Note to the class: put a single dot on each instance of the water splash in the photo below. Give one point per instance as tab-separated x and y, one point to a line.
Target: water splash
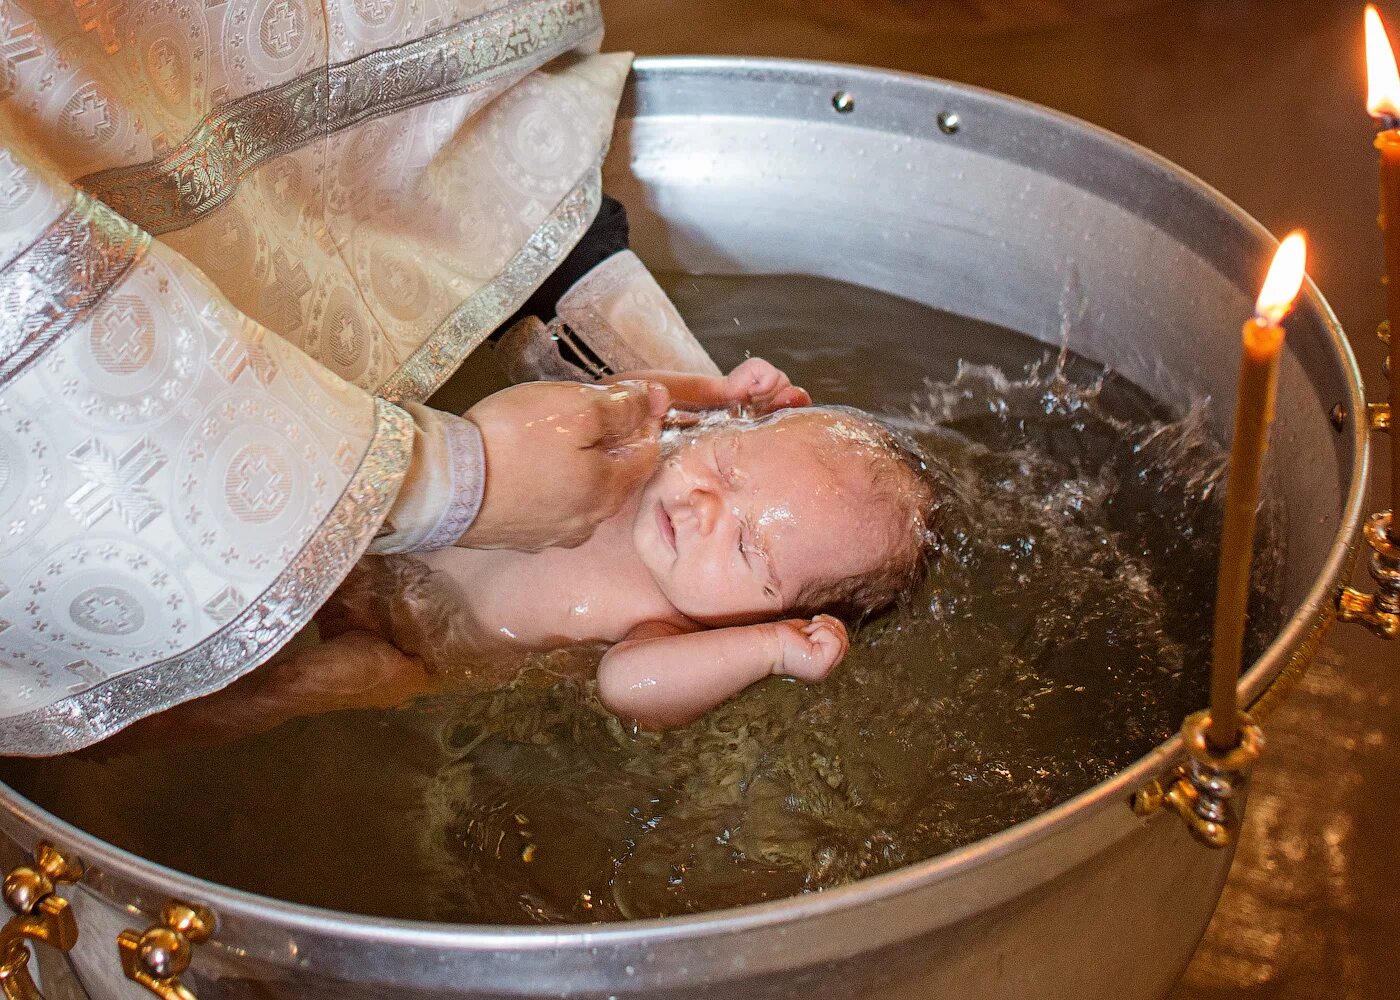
1061	633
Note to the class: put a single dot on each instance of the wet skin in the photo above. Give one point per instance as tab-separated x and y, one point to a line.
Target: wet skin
738	522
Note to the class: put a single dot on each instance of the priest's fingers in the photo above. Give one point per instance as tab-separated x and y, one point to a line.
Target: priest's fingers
625	468
631	413
560	458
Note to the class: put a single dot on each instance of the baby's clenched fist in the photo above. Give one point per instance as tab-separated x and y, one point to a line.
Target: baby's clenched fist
809	650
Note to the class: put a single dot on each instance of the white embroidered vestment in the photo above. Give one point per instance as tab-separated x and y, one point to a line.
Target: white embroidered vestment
233	238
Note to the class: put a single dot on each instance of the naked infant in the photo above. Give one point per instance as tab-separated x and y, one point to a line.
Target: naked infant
725	567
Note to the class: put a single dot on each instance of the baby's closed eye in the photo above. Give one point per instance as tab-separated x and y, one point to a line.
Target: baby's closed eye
756	560
725	454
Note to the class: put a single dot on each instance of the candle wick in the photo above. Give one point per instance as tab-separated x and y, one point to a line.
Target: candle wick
1387	121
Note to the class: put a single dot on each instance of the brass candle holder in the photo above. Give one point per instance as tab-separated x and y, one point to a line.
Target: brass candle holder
1380	611
1202	790
1223	742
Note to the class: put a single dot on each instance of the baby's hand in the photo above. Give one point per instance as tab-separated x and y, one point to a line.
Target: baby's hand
759	385
810	649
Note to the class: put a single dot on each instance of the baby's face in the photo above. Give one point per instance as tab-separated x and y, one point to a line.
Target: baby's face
738	521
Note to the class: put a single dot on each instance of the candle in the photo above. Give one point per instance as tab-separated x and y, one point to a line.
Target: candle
1254	411
1383	102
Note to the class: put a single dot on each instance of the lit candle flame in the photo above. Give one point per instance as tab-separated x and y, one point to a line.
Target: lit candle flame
1382	79
1284	279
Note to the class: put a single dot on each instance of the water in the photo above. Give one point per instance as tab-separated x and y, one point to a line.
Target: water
1062	632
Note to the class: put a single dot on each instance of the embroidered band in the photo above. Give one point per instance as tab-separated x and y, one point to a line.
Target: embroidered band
204	170
254	634
423	371
58	278
466	455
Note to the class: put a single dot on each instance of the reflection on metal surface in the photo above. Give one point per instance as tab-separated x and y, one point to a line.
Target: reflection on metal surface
1203	787
1378	416
40	915
157	958
1264	706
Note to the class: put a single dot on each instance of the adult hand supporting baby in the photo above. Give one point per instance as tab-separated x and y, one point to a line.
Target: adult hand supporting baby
560	458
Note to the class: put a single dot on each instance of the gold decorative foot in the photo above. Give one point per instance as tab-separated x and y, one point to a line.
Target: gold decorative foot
157	958
40	915
1200	791
1379	612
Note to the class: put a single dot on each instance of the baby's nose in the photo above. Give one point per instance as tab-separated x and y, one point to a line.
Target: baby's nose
705	505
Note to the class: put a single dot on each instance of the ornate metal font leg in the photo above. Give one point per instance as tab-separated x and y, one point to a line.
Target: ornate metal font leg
157	958
39	915
1200	791
1380	612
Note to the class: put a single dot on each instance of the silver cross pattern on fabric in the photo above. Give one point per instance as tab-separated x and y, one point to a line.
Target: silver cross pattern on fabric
116	484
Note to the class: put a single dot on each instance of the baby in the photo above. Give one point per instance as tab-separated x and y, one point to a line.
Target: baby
724	568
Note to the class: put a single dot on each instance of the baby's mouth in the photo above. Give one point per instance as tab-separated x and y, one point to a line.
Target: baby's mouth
664	525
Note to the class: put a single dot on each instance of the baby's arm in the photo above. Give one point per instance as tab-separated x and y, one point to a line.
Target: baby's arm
662	676
754	383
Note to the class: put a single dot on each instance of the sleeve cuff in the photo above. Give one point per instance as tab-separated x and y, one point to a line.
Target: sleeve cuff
627	320
442	493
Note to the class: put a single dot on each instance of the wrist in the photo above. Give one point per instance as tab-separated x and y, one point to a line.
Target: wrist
773	642
442	490
466	450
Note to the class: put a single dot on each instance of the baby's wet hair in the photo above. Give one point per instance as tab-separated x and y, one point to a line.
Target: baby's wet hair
902	480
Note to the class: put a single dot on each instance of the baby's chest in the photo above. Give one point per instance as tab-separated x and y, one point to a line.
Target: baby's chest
540	610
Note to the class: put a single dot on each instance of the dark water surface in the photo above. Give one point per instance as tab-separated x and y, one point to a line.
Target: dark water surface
1062	632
